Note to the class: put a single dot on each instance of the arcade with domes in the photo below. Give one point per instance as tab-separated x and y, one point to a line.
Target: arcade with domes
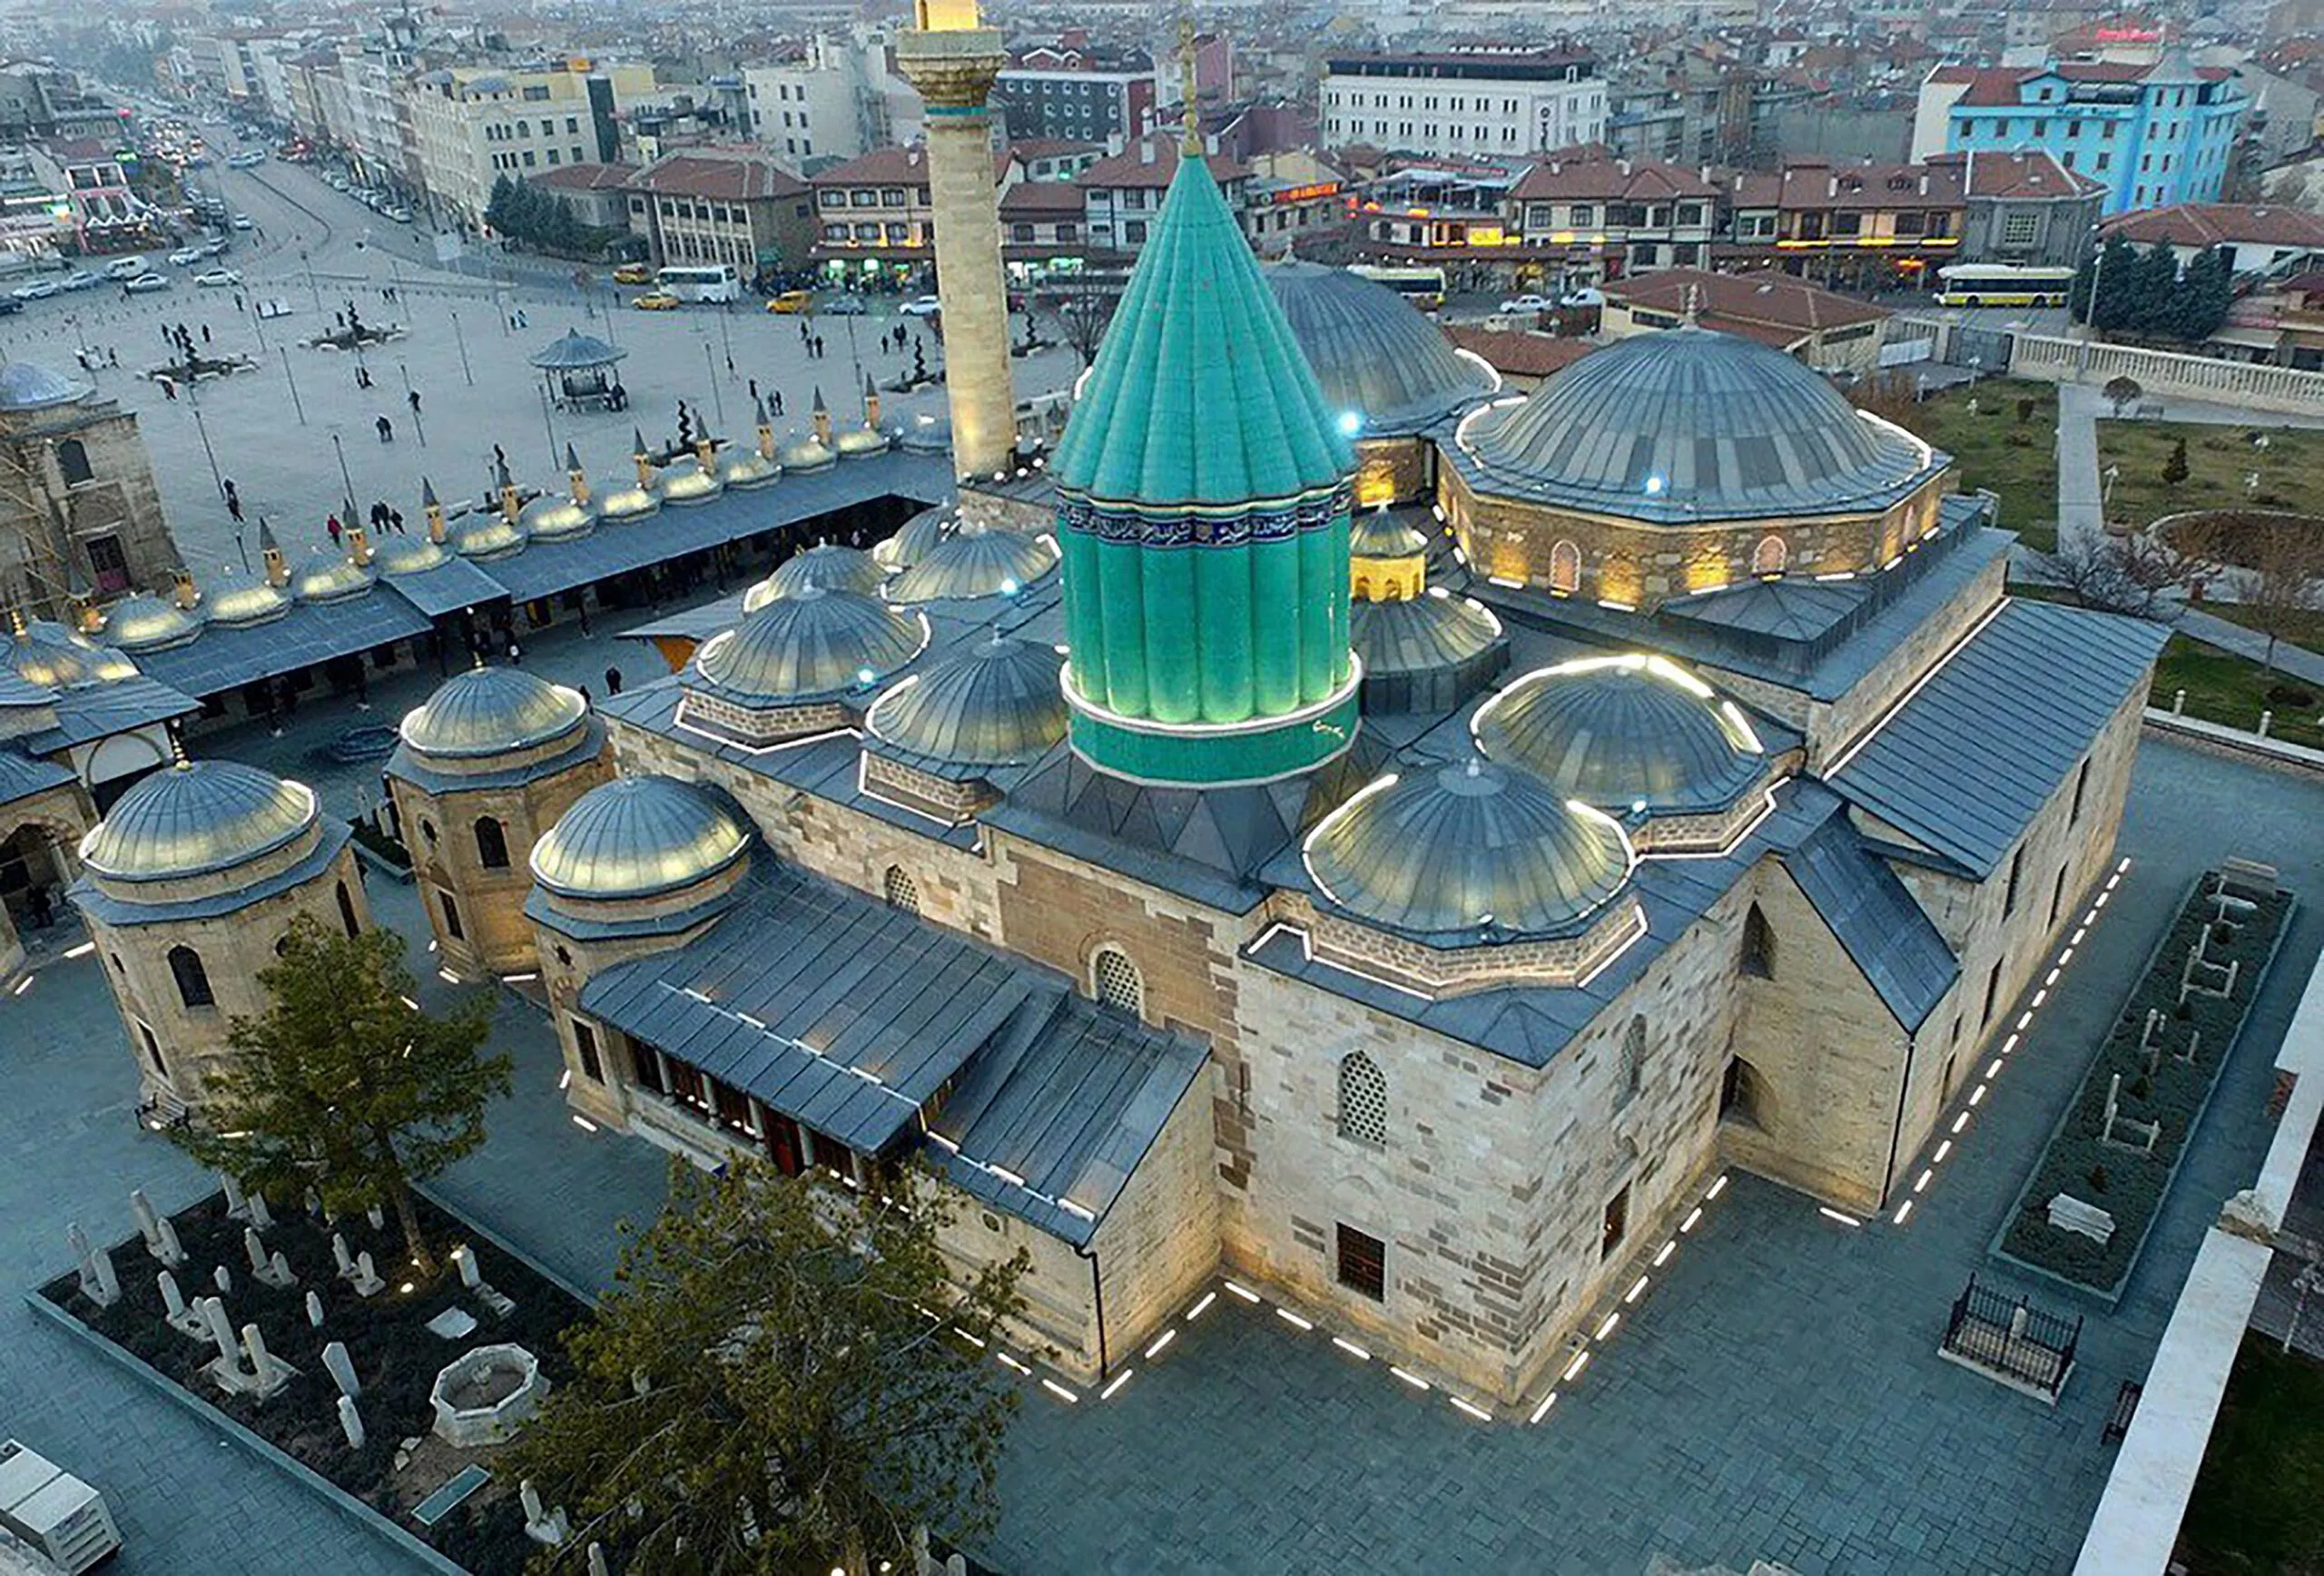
1384	840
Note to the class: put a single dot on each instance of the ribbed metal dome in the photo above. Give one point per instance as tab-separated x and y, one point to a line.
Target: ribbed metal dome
745	467
575	352
54	657
238	601
194	818
1685	424
29	385
998	703
332	579
976	561
861	443
410	555
1419	634
693	483
1375	355
914	539
144	622
635	837
488	536
815	642
555	516
623	497
805	454
826	566
1623	732
489	711
1377	534
1473	847
929	432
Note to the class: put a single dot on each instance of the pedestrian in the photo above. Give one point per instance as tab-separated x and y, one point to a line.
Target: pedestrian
378	513
112	356
238	301
330	524
338	319
778	401
234	508
515	653
613	681
169	386
395	521
124	292
387	430
754	382
805	337
412	397
168	338
42	912
226	485
205	333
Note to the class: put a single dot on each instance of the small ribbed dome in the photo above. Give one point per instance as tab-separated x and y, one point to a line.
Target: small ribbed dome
238	601
745	467
1374	354
1419	634
1622	731
332	579
197	817
488	536
489	711
635	837
29	385
861	443
554	515
54	657
805	454
691	484
144	622
826	566
1685	424
976	561
1377	534
815	642
915	540
1471	847
929	432
998	704
623	498
410	555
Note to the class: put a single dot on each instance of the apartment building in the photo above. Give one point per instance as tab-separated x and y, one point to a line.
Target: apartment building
1122	195
1467	105
1867	225
837	100
712	204
1083	103
1606	217
472	125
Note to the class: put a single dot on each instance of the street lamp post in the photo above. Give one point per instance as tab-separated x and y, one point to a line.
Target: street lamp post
717	398
548	426
345	479
216	479
461	340
295	405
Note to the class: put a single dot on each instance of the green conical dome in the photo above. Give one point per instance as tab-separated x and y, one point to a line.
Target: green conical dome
1199	395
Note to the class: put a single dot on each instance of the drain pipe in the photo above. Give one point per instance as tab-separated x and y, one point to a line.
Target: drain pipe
1097	1295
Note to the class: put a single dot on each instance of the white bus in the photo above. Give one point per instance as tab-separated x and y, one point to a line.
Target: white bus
2002	284
712	281
1422	285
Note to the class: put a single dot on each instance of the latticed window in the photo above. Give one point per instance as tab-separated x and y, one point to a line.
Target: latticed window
900	891
1632	1071
1363	1099
1770	555
1114	981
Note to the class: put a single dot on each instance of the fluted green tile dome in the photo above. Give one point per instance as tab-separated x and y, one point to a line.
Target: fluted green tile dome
1374	355
1685	424
144	622
1624	732
636	837
827	565
1200	393
490	711
1473	847
998	704
197	817
55	657
815	642
1377	534
238	601
976	561
329	578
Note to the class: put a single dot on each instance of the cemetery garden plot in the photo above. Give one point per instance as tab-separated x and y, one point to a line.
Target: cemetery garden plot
316	1336
2102	1180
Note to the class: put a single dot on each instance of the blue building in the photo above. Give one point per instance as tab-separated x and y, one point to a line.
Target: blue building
2154	133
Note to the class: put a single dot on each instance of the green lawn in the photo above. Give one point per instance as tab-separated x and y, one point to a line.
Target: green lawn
2259	1504
2220	460
2222	688
1992	448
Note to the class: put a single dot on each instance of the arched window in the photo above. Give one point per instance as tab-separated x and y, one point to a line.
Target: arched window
1632	1073
1363	1099
1758	945
347	909
1770	555
194	979
451	915
491	843
427	831
73	462
902	892
1114	980
1738	1092
1565	567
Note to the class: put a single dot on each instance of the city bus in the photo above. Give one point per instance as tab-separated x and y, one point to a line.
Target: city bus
709	281
2002	284
1422	286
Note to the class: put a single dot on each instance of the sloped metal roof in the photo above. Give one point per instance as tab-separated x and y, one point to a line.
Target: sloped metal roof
1962	764
22	777
222	659
1887	934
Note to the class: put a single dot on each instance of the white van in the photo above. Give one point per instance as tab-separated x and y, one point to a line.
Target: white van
124	268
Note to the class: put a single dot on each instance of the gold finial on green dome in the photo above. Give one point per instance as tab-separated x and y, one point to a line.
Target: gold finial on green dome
1192	121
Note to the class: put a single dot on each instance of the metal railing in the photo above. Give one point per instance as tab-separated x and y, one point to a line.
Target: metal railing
2011	1337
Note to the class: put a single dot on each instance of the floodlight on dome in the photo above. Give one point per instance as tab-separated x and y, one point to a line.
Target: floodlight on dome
1351	423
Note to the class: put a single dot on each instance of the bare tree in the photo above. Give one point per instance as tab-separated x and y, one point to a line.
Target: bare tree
2122	393
2283	573
1892	396
1084	310
2119	574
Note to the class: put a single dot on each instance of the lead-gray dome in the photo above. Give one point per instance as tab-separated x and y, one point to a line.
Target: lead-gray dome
635	837
1433	633
29	385
55	657
149	623
490	711
1686	425
976	561
814	644
997	705
1474	848
1622	733
1374	354
914	539
196	817
826	566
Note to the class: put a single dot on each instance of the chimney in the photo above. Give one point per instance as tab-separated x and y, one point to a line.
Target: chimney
359	547
182	592
644	461
434	508
1145	150
823	419
278	571
871	402
765	433
1923	182
576	480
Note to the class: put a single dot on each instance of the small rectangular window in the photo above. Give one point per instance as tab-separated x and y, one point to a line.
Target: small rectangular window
1993	996
2016	869
1615	1224
1363	1262
2081	782
585	1044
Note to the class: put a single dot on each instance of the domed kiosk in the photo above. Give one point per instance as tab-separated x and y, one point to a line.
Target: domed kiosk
1455	876
802	664
186	886
1422	649
937	738
1638	737
1684	460
482	768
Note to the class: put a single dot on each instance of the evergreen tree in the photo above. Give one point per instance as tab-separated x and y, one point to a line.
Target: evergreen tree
2205	292
2174	467
2154	306
501	213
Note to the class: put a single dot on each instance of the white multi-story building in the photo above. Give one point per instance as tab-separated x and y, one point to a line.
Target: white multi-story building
1483	104
836	101
470	125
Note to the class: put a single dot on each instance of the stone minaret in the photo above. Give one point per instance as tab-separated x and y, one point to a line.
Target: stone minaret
952	60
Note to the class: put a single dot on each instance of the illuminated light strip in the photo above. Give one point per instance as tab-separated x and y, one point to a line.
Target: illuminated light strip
1119	1380
2065	957
1581	1361
1993	1069
583	1123
1977	1094
1352	1349
1903	1212
518	979
83	950
1921	1182
1960	1122
1196	1311
1943	1149
1293	1320
1716	1189
1638	1290
1828	1213
23	985
2080	931
1414	1380
564	1078
1543	1409
1246	1293
1478	1412
1663	1257
1850	754
1611	605
1161	1342
1606	1326
972	1340
448	976
2101	901
407	1001
2052	978
2025	1020
1059	1391
1693	1216
1010	1362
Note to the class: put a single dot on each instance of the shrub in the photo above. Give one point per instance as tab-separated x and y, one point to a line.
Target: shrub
2097	1178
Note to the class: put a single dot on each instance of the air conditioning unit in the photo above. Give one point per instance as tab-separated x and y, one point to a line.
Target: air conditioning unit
54	1511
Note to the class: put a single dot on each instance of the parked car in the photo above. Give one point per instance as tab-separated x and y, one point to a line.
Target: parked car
40	290
215	246
144	282
184	255
634	274
10	306
846	306
660	301
922	307
792	300
121	268
396	214
217	278
242	221
1526	303
81	279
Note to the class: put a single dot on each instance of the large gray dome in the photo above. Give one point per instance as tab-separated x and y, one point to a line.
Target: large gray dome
814	643
635	837
827	565
490	711
1686	425
976	561
29	385
197	817
1472	849
998	703
1374	354
1622	733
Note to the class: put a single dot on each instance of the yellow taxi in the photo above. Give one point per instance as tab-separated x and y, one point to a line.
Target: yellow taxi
792	300
634	274
660	301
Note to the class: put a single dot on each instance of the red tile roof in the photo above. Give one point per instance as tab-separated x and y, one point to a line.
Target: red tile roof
732	176
1592	171
2220	224
585	177
879	167
1816	183
1128	168
1519	353
2022	176
1031	199
1756	303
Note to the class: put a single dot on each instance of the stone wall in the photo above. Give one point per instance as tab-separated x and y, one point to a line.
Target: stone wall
1060	1323
119	499
1161	1240
441	831
1391	470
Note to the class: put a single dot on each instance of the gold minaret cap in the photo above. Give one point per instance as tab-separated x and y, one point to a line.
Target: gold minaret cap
1191	118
